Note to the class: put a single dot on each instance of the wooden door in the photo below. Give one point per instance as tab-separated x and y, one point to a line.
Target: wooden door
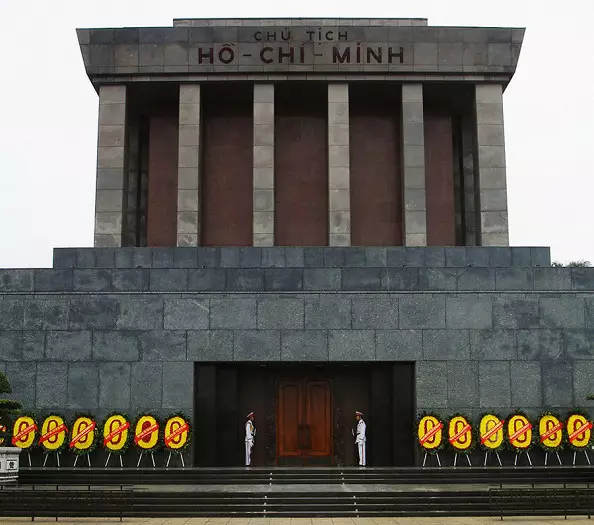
304	429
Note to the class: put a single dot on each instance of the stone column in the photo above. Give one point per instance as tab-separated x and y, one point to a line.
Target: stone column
110	166
339	178
188	166
413	166
490	155
263	174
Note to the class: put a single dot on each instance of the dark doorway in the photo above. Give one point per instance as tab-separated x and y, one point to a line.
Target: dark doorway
304	422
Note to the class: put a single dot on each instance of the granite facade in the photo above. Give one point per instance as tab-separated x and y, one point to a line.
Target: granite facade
122	328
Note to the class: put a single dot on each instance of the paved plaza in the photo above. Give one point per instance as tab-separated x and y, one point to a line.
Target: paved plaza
304	521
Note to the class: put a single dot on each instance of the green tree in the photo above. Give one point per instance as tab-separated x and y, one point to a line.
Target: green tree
572	264
8	407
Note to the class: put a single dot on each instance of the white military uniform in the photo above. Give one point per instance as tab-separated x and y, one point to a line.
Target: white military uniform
360	441
250	434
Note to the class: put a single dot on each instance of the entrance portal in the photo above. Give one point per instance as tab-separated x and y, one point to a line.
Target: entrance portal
304	422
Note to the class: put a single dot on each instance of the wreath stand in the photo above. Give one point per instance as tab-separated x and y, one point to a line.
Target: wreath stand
88	460
46	456
436	457
496	455
522	452
181	457
140	458
109	457
558	458
467	459
585	454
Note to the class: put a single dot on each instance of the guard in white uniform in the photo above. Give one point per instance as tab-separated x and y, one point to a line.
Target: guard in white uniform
250	434
360	438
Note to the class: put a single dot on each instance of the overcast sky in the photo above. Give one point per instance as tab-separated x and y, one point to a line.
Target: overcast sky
48	111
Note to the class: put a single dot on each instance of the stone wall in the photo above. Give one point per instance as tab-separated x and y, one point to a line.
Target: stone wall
97	333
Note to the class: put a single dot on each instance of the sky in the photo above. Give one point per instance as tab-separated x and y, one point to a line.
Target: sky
48	111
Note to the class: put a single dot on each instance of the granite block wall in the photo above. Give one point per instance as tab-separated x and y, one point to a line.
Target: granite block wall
122	328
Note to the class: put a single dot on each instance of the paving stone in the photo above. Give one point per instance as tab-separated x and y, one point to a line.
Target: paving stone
99	313
207	280
476	279
281	279
468	311
92	280
11	314
162	345
16	280
540	344
185	257
245	279
582	278
122	345
355	257
562	312
208	257
186	314
557	383
526	384
168	280
435	256
399	345
415	257
229	257
438	279
327	312
493	345
313	257
463	384
455	256
63	258
432	384
439	345
132	280
114	386
68	346
140	313
351	345
520	257
146	386
322	279
514	279
178	385
421	311
142	257
124	258
396	256
85	258
256	345
552	279
162	258
375	257
51	388
210	345
294	257
361	279
477	256
105	257
11	345
279	313
578	344
83	386
273	257
515	313
494	384
375	312
53	280
23	377
304	345
233	313
400	278
33	345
